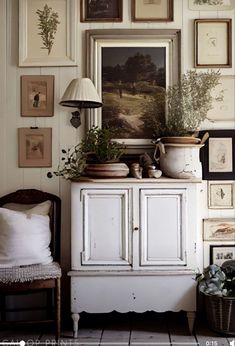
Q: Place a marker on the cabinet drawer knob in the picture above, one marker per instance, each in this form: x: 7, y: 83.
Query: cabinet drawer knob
x: 136, y: 228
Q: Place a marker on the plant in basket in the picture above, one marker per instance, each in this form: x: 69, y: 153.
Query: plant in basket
x: 217, y: 285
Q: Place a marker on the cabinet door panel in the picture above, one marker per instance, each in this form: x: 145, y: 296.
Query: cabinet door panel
x: 163, y: 227
x: 105, y: 227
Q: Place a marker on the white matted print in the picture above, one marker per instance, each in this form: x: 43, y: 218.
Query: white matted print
x: 47, y: 32
x: 219, y: 229
x: 220, y: 195
x: 223, y: 110
x: 220, y: 155
x: 221, y: 253
x: 211, y: 5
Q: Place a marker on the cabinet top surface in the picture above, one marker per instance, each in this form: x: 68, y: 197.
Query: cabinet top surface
x: 136, y: 181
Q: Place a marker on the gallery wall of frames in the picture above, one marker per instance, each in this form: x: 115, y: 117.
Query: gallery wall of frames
x: 34, y: 73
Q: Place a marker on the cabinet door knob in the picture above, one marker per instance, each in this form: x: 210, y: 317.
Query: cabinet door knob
x: 136, y: 228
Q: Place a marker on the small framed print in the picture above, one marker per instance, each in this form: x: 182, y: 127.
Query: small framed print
x: 219, y: 229
x: 223, y: 110
x: 35, y: 148
x: 220, y: 195
x: 221, y: 253
x: 211, y: 5
x: 213, y: 43
x: 218, y: 155
x: 37, y: 96
x: 152, y: 10
x: 101, y: 11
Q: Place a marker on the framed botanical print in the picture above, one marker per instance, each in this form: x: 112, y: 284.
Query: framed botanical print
x: 47, y: 33
x: 218, y: 155
x: 129, y: 67
x: 152, y: 10
x: 101, y: 11
x: 35, y: 147
x: 220, y: 194
x: 213, y: 43
x: 37, y: 96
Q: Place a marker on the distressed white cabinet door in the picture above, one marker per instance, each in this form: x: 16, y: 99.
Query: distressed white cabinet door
x: 105, y: 227
x: 162, y: 225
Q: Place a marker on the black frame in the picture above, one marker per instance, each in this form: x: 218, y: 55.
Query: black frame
x: 85, y: 15
x: 218, y: 246
x: 205, y: 155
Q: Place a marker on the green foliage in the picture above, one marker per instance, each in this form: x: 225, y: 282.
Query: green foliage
x: 48, y: 21
x: 97, y: 145
x: 186, y: 104
x: 219, y: 281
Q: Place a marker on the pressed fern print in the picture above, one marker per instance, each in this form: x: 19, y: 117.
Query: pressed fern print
x: 48, y: 22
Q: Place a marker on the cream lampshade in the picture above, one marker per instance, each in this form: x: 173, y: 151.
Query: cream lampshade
x: 80, y: 93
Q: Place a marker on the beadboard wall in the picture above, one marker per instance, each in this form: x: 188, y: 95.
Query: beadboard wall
x: 64, y: 135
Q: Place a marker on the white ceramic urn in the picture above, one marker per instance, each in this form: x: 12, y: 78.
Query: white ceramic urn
x: 180, y: 161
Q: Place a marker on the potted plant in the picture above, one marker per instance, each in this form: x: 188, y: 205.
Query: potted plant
x: 217, y: 285
x: 97, y: 155
x: 186, y: 105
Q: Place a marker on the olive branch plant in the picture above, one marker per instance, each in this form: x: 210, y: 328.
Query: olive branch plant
x: 48, y: 22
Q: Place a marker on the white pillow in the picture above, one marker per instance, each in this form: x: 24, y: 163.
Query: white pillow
x: 24, y: 239
x: 39, y: 209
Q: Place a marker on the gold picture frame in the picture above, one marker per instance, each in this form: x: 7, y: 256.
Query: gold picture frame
x: 35, y: 147
x: 37, y: 96
x: 213, y: 43
x: 152, y: 10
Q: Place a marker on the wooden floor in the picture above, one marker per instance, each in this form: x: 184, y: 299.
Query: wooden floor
x: 146, y: 329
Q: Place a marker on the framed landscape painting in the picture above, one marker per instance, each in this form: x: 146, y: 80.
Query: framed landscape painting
x: 152, y: 10
x: 37, y: 96
x: 211, y: 5
x: 129, y: 68
x: 101, y: 10
x: 219, y: 229
x: 47, y: 32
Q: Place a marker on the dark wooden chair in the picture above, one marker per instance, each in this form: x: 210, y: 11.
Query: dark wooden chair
x: 36, y: 278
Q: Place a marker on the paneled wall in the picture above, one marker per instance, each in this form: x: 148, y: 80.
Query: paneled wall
x: 64, y: 135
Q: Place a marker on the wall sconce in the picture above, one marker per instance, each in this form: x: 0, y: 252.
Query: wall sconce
x: 80, y: 93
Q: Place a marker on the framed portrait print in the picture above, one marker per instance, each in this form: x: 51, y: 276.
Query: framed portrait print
x: 101, y: 11
x: 219, y: 229
x: 221, y: 253
x: 129, y: 67
x: 35, y: 148
x: 223, y: 110
x: 213, y: 43
x: 211, y: 5
x: 152, y: 10
x: 220, y: 194
x: 37, y: 96
x: 218, y: 155
x: 47, y: 32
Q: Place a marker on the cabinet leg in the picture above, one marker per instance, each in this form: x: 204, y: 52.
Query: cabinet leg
x: 75, y: 318
x: 191, y: 318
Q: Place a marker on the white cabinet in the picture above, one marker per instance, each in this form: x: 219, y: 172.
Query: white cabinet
x: 133, y: 245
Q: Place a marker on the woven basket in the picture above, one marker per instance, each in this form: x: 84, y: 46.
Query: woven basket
x: 221, y: 313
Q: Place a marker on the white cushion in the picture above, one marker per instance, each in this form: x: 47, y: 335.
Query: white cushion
x: 24, y: 239
x: 39, y: 209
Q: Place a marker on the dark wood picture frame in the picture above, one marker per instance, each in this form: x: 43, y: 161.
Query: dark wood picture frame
x: 208, y: 173
x: 112, y: 15
x: 152, y: 10
x: 222, y: 246
x: 211, y: 43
